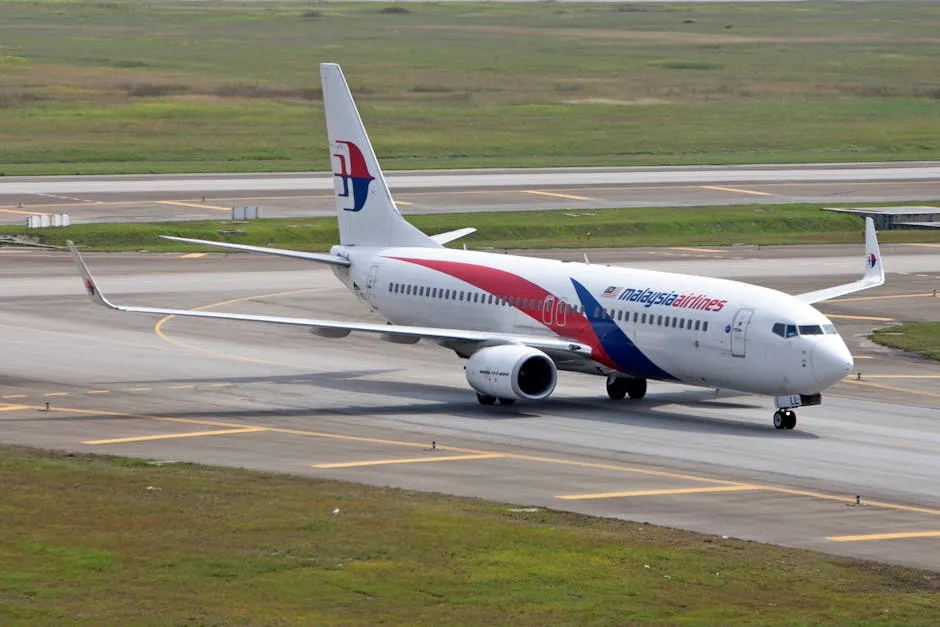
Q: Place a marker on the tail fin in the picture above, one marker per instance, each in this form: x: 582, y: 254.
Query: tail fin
x: 364, y: 206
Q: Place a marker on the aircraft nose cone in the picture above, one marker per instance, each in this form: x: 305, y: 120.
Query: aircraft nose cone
x: 832, y: 361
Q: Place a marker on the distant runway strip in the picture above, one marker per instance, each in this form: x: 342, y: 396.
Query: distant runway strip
x: 194, y: 196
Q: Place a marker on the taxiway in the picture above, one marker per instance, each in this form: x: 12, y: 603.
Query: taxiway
x: 363, y: 410
x: 211, y: 196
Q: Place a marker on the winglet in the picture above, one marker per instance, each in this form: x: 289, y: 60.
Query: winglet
x: 90, y: 286
x: 874, y: 272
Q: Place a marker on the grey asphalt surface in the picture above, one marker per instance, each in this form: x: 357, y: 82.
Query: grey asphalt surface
x: 212, y: 196
x: 363, y: 410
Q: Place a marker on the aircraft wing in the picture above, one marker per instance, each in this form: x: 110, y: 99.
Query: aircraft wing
x: 296, y: 254
x: 874, y: 272
x: 333, y: 328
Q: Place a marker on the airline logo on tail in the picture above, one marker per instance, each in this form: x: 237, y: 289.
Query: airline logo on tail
x: 355, y: 175
x: 872, y: 260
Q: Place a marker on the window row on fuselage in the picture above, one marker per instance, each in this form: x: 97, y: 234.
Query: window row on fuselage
x: 532, y: 304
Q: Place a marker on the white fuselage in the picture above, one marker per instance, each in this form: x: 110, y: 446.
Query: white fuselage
x: 639, y: 323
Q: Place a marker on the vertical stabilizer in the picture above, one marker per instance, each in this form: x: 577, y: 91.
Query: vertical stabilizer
x: 364, y: 207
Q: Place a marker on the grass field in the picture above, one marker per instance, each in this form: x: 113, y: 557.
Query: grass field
x: 916, y: 337
x: 173, y: 85
x: 108, y: 541
x: 715, y: 226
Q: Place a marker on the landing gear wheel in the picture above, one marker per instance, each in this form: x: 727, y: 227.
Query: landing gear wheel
x: 637, y: 388
x: 486, y: 400
x: 617, y: 387
x: 784, y: 419
x: 507, y: 401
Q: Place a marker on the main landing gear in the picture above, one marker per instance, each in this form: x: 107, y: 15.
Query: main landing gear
x: 618, y: 387
x: 491, y: 400
x: 784, y: 419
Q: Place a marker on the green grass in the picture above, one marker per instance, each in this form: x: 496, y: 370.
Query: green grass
x: 171, y: 85
x: 716, y: 226
x: 916, y: 337
x: 86, y: 541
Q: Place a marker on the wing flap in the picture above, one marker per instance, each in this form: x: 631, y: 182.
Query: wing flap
x: 873, y: 277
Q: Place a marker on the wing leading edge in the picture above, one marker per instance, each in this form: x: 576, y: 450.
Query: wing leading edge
x: 874, y: 272
x: 333, y: 328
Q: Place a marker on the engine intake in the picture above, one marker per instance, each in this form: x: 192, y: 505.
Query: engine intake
x: 512, y: 371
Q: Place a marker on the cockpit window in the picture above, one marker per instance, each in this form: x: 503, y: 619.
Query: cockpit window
x: 779, y: 329
x: 791, y: 330
x: 829, y: 329
x: 810, y: 329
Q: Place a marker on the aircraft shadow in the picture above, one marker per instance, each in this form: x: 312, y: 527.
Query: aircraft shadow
x: 649, y: 412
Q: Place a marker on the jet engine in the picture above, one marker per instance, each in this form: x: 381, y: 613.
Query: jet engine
x: 512, y: 371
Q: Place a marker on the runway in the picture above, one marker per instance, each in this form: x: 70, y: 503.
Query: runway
x: 363, y: 410
x: 212, y: 196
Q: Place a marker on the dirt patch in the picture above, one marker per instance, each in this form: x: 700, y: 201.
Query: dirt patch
x: 663, y: 37
x: 638, y: 102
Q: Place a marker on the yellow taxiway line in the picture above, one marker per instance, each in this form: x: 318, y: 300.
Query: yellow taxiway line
x: 886, y: 536
x: 409, y: 460
x: 554, y: 195
x: 174, y: 436
x: 719, y: 188
x: 193, y: 255
x: 698, y: 250
x: 856, y: 299
x: 177, y: 203
x: 891, y: 388
x: 617, y: 495
x: 848, y: 317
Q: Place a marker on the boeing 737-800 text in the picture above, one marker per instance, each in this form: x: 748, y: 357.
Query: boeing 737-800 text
x: 519, y: 320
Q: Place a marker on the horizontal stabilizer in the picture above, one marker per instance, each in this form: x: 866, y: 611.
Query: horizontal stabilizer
x: 450, y: 236
x: 873, y: 277
x: 296, y: 254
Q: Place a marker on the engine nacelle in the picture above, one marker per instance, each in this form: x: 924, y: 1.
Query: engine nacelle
x: 512, y: 371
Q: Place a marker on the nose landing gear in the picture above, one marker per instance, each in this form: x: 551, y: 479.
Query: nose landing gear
x: 784, y: 419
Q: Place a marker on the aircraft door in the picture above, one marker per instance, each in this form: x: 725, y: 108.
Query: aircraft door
x: 371, y: 284
x: 561, y: 313
x: 739, y: 332
x: 549, y: 310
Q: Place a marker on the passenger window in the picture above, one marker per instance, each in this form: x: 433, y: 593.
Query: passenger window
x: 705, y: 326
x: 634, y: 316
x: 667, y: 321
x: 538, y: 306
x: 791, y: 330
x: 696, y: 325
x: 681, y: 323
x: 659, y: 321
x: 675, y: 321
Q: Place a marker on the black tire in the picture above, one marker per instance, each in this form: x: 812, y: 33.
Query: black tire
x: 790, y: 419
x: 780, y: 420
x: 507, y: 401
x: 616, y: 387
x: 486, y: 400
x: 636, y: 388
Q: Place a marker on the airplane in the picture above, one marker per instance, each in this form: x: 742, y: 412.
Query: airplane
x: 519, y: 320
